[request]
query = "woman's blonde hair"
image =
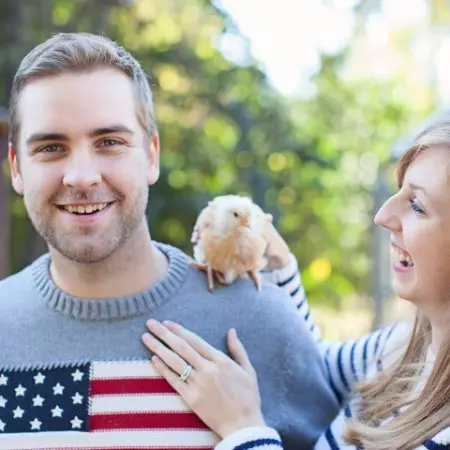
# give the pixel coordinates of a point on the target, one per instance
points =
(382, 397)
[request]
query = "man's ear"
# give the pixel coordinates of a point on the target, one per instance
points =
(16, 177)
(153, 160)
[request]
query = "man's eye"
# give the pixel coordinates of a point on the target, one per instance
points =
(110, 142)
(51, 148)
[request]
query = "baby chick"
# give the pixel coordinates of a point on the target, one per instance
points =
(230, 239)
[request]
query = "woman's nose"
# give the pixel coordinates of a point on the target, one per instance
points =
(387, 216)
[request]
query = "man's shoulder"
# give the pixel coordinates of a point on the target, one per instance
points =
(241, 301)
(272, 306)
(270, 296)
(14, 283)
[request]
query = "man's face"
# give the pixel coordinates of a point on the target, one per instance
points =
(83, 163)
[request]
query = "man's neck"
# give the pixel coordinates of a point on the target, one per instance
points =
(134, 267)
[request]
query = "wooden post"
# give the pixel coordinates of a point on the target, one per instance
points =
(4, 196)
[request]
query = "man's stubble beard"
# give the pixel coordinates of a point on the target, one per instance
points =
(105, 245)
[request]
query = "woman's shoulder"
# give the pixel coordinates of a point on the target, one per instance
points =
(392, 341)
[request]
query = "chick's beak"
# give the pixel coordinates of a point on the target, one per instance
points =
(245, 221)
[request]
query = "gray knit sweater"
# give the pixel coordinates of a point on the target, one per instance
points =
(74, 373)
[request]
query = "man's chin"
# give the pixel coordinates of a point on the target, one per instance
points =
(86, 254)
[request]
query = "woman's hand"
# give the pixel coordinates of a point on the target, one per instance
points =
(222, 392)
(277, 252)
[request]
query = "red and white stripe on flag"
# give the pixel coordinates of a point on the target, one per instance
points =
(130, 407)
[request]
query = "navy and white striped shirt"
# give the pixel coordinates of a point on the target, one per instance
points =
(346, 363)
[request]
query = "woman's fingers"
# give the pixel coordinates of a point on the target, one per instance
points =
(180, 348)
(238, 351)
(218, 379)
(194, 341)
(170, 358)
(172, 378)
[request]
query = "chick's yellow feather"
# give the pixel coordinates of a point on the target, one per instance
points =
(229, 239)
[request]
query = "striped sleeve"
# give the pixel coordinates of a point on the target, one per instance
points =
(333, 439)
(252, 438)
(289, 278)
(261, 438)
(351, 362)
(347, 362)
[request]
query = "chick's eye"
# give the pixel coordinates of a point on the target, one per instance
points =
(236, 214)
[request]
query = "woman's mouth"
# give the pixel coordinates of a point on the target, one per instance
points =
(401, 258)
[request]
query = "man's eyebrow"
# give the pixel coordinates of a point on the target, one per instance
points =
(110, 130)
(42, 137)
(414, 187)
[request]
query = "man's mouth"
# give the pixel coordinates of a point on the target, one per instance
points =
(85, 209)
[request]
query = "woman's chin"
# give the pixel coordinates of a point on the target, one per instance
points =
(406, 291)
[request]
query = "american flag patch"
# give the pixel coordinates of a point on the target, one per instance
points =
(97, 405)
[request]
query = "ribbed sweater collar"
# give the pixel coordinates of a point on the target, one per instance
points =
(109, 309)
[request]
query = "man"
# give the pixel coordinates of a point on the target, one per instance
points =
(73, 371)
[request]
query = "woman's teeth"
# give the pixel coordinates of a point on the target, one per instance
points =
(404, 258)
(85, 209)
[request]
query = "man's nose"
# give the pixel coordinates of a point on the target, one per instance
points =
(387, 216)
(82, 171)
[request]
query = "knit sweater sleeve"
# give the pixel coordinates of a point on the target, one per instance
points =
(349, 362)
(255, 438)
(290, 371)
(289, 279)
(265, 438)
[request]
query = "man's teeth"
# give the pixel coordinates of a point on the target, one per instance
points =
(85, 209)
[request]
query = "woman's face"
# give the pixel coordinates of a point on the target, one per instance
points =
(418, 217)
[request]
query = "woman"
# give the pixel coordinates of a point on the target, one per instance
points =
(394, 384)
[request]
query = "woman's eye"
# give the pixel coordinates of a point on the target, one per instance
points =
(415, 207)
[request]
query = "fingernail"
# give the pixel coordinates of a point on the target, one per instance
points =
(152, 323)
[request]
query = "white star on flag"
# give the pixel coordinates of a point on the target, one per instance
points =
(38, 400)
(3, 402)
(57, 411)
(2, 425)
(35, 424)
(18, 413)
(3, 380)
(76, 422)
(58, 389)
(77, 375)
(77, 399)
(20, 391)
(39, 378)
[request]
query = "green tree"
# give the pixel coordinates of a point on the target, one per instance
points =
(224, 129)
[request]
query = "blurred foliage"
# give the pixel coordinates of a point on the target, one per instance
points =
(224, 129)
